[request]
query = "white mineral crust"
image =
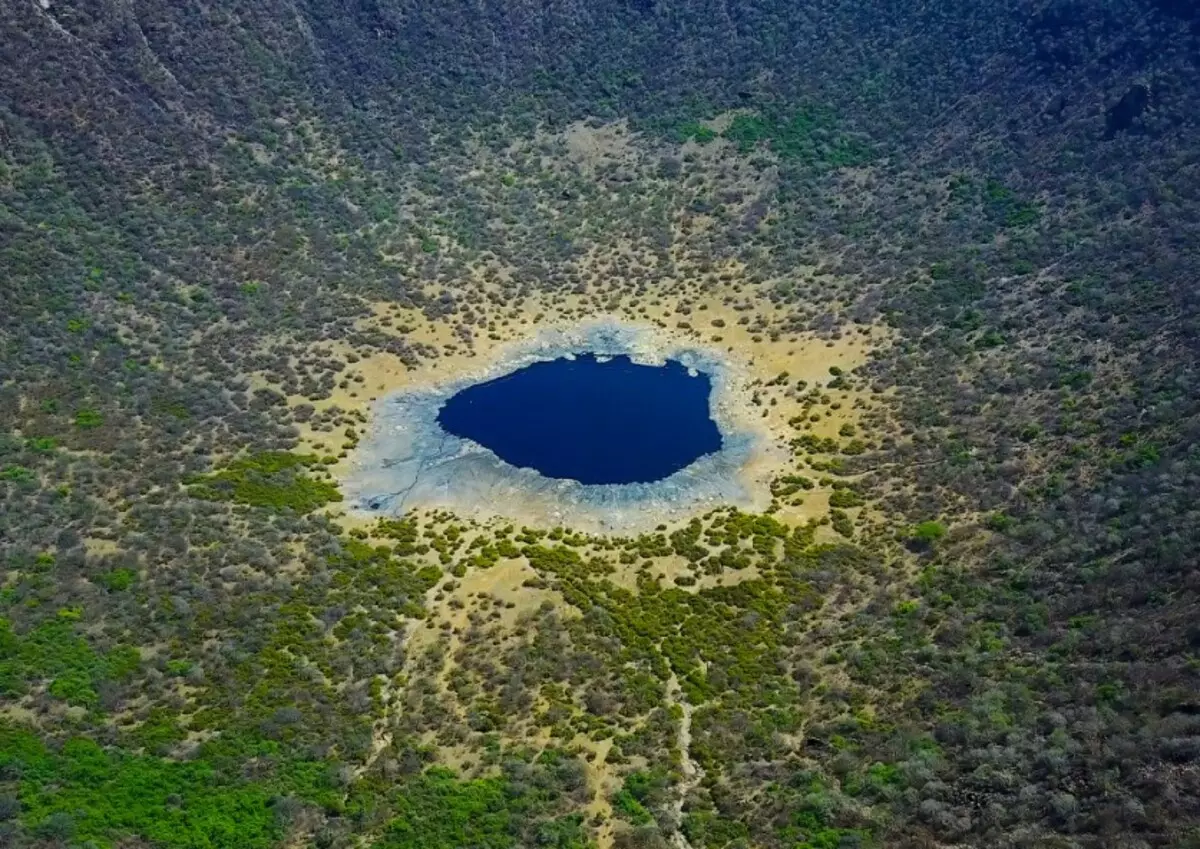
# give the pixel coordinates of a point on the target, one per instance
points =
(408, 461)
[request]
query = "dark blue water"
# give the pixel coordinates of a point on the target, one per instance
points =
(590, 421)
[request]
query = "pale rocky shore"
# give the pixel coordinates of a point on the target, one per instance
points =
(407, 461)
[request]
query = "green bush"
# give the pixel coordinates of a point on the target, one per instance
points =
(808, 137)
(845, 497)
(924, 536)
(88, 419)
(841, 521)
(119, 579)
(630, 802)
(436, 810)
(273, 479)
(17, 474)
(53, 652)
(110, 795)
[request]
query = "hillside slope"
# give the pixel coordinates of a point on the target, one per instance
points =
(218, 220)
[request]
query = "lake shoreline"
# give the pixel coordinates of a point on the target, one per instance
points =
(407, 461)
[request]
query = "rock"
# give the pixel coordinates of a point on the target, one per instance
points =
(1054, 108)
(1122, 115)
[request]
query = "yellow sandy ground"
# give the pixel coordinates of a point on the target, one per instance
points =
(801, 357)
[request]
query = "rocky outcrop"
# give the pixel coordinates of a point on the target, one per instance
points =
(1125, 112)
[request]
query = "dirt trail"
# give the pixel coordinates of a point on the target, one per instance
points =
(692, 774)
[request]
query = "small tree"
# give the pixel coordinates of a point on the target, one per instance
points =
(922, 537)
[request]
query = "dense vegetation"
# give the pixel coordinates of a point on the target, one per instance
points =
(988, 638)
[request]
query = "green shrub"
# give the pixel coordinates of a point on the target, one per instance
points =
(111, 795)
(273, 479)
(927, 533)
(842, 523)
(694, 131)
(845, 497)
(17, 474)
(629, 803)
(118, 579)
(438, 811)
(53, 652)
(88, 419)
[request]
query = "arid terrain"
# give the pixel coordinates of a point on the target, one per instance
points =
(942, 259)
